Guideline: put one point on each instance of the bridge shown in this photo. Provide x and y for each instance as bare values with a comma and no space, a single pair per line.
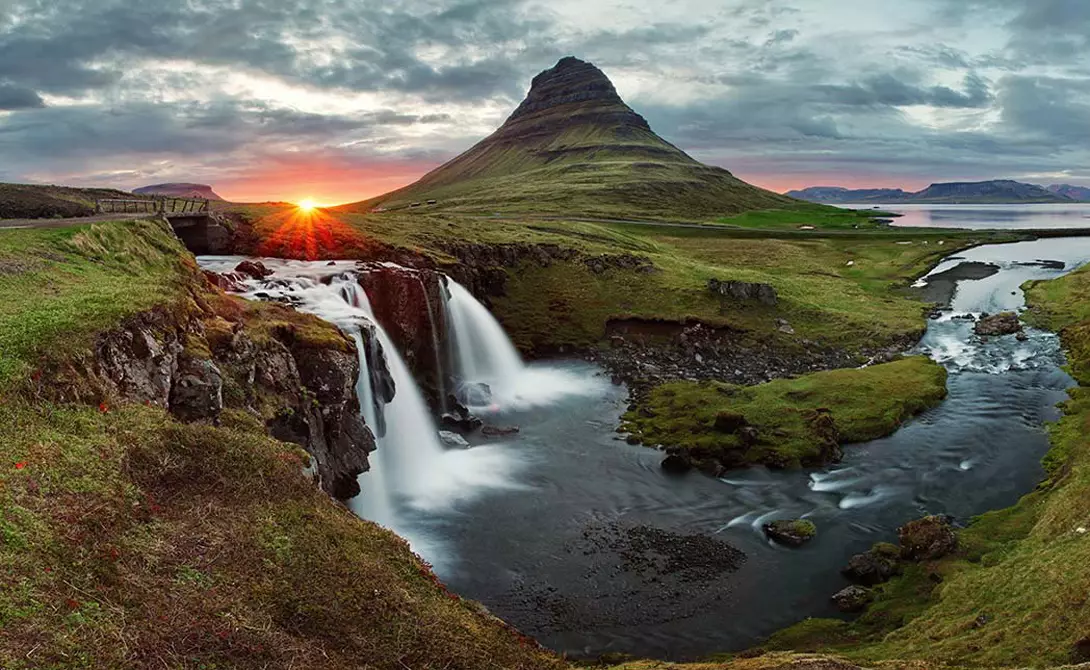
171,208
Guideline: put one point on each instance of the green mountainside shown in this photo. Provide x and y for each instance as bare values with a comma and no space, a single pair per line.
574,147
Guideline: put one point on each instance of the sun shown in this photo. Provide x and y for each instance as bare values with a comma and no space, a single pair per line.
307,205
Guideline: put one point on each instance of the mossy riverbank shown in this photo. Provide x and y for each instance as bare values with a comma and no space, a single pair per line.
789,422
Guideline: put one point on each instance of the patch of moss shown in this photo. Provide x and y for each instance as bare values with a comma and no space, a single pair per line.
790,422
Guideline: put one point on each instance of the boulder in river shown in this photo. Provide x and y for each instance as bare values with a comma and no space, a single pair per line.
927,539
453,440
1005,323
791,532
677,462
499,431
875,566
853,599
253,269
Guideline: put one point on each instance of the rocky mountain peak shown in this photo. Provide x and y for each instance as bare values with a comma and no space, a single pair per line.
573,81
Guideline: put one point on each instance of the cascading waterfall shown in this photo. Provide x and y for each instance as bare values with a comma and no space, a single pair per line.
485,354
410,468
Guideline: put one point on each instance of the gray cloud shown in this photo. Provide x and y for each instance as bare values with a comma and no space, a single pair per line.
16,97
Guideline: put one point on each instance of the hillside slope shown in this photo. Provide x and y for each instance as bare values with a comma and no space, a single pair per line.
574,147
31,201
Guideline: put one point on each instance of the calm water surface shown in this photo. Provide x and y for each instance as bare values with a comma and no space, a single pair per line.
1075,215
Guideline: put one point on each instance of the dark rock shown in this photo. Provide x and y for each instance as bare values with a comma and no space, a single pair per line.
730,422
197,391
461,420
927,539
1005,323
499,431
409,303
253,269
740,290
791,532
453,440
853,599
137,362
475,394
677,462
876,566
230,281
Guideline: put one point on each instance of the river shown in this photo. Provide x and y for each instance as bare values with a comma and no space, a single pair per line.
581,541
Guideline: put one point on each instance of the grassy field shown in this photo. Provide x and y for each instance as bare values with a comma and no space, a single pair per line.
61,286
787,422
839,289
25,201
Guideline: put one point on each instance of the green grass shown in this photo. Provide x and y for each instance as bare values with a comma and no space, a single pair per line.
823,218
62,286
789,418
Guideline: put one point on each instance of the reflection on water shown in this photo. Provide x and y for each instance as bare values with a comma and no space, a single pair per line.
1074,215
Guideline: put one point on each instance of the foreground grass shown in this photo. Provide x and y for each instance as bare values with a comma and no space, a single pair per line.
62,286
787,422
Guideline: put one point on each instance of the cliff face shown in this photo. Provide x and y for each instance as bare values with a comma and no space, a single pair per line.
289,371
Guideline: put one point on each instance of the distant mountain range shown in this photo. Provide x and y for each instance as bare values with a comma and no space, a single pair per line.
997,191
179,190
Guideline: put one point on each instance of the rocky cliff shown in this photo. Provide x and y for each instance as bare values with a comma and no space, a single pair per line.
179,190
293,373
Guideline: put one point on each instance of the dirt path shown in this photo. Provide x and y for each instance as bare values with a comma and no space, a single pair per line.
12,224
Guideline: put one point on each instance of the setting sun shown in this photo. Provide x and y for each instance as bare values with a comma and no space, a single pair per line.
307,205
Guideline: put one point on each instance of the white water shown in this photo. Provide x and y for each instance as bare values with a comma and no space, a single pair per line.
410,470
485,355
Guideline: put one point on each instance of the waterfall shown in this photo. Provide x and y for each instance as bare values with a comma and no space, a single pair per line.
484,352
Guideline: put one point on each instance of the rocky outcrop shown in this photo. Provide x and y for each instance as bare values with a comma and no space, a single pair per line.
853,599
875,566
791,532
647,352
764,294
179,190
1005,323
196,365
409,303
927,539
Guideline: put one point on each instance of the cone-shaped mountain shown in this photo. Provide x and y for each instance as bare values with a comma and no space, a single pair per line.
574,147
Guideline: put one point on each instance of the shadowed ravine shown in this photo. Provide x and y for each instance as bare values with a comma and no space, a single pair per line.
581,541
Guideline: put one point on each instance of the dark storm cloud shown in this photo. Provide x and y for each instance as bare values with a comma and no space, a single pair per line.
888,89
15,97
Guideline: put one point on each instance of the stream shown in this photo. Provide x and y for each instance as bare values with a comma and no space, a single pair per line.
581,541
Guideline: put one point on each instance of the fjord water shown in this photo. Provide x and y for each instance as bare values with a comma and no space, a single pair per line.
533,524
1043,216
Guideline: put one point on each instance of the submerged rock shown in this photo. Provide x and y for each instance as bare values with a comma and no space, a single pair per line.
927,539
677,462
499,431
791,532
1005,323
453,440
875,566
253,269
853,599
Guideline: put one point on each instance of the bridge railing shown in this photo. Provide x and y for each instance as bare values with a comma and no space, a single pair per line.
167,206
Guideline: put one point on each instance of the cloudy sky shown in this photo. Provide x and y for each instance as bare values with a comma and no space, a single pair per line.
344,99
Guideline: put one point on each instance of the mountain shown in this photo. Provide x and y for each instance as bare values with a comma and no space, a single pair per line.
997,191
180,190
1076,193
836,194
574,147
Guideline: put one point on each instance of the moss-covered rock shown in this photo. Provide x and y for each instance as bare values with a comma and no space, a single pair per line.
792,532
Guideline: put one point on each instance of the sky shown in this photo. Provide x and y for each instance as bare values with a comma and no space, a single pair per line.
341,100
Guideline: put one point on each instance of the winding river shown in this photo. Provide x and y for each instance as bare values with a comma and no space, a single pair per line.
581,541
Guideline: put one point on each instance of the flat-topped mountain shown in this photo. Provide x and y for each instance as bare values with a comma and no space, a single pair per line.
1076,193
996,191
574,147
179,190
838,194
